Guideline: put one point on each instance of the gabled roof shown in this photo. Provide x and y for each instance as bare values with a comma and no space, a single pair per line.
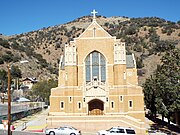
94,30
33,80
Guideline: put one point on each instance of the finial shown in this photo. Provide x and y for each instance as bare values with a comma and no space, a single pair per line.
94,12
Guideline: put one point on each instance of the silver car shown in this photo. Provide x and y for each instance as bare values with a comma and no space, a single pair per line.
66,130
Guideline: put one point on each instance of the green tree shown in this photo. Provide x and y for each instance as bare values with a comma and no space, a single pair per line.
149,89
16,74
164,45
41,90
170,85
162,89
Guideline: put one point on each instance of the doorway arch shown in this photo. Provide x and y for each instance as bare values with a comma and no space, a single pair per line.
95,107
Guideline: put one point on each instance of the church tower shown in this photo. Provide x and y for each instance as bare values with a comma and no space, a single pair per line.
97,84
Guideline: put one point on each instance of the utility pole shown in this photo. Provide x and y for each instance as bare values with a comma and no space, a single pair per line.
9,96
9,100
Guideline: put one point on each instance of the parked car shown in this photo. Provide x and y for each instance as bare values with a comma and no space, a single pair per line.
66,130
117,131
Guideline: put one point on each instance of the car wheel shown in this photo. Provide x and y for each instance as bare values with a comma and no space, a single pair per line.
51,133
72,134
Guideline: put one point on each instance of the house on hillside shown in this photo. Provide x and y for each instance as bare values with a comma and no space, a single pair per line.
29,82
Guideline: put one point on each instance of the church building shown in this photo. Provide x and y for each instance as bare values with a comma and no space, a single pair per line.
98,84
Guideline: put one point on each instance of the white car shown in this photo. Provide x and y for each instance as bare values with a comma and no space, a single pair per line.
66,130
117,131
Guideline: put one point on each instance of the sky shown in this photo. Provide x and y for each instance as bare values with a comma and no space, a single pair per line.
21,16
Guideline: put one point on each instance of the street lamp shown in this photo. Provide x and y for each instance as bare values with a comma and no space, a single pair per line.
9,96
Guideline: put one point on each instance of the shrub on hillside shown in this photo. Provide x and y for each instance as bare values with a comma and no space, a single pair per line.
4,43
130,30
7,58
1,61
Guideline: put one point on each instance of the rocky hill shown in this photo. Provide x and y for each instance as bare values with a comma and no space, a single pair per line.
147,38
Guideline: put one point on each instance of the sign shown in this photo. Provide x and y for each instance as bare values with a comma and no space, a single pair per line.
5,123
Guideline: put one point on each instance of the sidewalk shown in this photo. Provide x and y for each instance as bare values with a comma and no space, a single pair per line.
34,123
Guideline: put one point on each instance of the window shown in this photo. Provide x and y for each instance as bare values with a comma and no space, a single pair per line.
121,98
121,130
95,65
62,105
130,103
70,99
112,104
130,131
106,99
79,105
124,75
84,99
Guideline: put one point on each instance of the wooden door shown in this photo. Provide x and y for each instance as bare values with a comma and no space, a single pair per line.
96,107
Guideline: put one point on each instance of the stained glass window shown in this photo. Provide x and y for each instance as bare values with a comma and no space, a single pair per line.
95,67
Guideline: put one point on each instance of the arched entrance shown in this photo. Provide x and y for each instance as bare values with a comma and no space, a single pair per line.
95,107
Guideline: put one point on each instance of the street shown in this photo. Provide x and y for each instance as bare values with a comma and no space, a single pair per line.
2,132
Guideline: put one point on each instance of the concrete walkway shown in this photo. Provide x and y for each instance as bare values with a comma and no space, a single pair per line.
34,123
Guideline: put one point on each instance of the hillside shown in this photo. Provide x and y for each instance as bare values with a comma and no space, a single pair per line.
146,37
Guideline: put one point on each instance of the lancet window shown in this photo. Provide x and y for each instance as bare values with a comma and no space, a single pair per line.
95,65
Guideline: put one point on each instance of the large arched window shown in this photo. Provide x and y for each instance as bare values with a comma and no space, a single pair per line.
95,67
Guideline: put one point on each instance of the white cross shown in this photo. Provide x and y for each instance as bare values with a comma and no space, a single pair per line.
94,12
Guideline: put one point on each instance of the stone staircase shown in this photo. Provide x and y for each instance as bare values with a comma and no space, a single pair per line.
93,123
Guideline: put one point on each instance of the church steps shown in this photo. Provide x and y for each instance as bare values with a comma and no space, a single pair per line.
95,123
117,120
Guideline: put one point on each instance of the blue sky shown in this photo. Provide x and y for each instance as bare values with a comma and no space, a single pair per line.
20,16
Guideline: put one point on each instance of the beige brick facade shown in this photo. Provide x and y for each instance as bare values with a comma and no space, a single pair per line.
96,77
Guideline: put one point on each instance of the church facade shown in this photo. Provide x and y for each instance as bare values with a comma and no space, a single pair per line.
97,79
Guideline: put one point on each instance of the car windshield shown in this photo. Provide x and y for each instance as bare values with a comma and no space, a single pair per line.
110,129
72,128
121,130
116,130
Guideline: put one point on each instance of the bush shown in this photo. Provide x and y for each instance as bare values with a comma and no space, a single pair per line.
4,43
16,58
154,38
139,62
138,48
178,22
7,58
1,61
131,30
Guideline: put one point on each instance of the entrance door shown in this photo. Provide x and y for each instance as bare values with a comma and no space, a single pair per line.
96,107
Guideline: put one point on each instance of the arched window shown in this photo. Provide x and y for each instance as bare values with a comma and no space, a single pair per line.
95,64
